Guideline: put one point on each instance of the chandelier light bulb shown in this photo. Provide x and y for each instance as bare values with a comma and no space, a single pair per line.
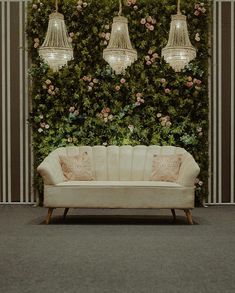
179,50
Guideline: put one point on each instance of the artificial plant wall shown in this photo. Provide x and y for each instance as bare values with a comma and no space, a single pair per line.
85,104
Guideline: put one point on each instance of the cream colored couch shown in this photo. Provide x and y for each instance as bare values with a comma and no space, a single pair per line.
122,180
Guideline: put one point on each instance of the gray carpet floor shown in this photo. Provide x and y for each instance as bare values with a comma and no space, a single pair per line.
99,251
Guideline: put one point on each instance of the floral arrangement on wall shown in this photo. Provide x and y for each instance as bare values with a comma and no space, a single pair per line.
84,103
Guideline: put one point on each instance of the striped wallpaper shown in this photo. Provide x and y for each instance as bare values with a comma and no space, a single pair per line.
15,158
15,148
222,104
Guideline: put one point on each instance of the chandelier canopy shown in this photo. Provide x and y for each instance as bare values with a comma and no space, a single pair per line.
179,50
119,53
56,50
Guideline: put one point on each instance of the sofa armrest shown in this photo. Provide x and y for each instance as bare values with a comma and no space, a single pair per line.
51,171
188,172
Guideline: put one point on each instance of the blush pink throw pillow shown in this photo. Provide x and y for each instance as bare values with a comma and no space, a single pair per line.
166,167
77,168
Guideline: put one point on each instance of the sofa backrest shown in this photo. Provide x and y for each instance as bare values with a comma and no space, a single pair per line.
120,163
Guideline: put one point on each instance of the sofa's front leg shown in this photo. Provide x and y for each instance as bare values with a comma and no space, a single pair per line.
65,213
173,214
48,218
189,216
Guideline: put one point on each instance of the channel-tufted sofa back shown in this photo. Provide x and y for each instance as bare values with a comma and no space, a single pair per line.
120,163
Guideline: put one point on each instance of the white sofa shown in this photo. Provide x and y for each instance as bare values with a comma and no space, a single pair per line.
122,180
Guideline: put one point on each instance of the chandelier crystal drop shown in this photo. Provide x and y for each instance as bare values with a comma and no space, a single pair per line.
179,50
56,49
119,53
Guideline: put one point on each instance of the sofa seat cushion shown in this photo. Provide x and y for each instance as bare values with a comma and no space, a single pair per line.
119,194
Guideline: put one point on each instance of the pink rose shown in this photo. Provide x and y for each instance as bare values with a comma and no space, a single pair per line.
50,92
189,78
117,88
135,7
107,36
167,91
196,6
36,40
51,87
151,28
70,40
139,95
189,84
149,19
143,21
36,45
91,84
42,124
162,80
196,12
148,25
76,112
71,34
122,80
150,52
148,62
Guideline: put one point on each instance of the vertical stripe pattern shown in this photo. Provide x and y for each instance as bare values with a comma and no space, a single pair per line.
222,105
15,156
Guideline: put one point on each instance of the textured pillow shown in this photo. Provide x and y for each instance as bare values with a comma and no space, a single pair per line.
77,168
166,167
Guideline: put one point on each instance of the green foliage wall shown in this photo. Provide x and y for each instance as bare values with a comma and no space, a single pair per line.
85,104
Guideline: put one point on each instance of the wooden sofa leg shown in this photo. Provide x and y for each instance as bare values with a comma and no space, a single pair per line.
65,213
189,216
50,211
173,214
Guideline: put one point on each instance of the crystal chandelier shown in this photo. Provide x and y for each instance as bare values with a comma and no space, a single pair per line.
179,50
56,50
119,53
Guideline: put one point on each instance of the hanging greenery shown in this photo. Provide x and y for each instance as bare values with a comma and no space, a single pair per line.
86,104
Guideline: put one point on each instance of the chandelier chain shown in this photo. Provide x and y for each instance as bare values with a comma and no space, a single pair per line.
178,7
56,5
120,8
